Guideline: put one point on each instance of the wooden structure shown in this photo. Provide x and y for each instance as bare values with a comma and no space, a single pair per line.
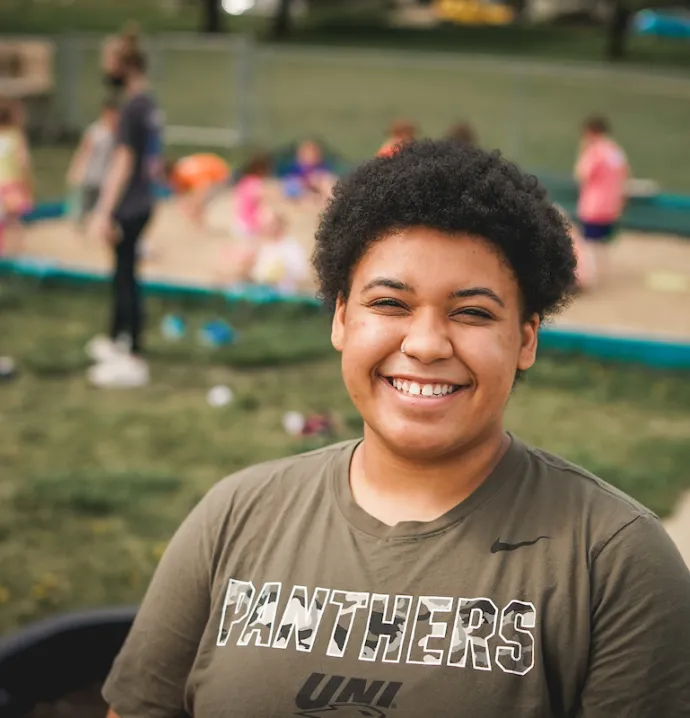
27,76
26,68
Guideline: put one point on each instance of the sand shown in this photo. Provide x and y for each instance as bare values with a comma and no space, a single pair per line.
647,292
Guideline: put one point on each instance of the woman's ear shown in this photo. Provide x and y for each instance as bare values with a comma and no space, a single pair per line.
338,324
530,340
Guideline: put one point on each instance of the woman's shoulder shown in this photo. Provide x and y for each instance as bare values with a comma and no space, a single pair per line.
305,471
560,472
570,495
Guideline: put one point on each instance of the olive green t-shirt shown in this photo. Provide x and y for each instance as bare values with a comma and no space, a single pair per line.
545,593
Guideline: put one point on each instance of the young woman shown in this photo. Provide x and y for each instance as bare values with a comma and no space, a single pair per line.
114,50
438,566
122,214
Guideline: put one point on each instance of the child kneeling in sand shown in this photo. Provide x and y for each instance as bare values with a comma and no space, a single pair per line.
277,259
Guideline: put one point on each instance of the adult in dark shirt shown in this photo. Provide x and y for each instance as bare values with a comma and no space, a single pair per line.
123,212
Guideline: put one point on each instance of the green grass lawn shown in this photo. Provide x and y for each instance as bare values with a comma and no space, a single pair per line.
94,483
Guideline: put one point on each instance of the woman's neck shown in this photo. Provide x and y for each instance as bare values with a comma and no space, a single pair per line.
394,489
137,85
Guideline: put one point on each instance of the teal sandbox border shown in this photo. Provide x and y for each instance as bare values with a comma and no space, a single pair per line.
653,352
657,353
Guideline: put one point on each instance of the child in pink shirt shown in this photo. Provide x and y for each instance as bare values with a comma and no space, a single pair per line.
602,173
249,197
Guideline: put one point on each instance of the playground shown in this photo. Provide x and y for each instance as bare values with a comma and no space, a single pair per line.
97,481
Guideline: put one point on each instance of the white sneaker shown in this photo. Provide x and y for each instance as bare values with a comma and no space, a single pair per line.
121,372
104,349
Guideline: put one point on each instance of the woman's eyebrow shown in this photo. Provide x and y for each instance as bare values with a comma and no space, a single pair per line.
477,292
388,283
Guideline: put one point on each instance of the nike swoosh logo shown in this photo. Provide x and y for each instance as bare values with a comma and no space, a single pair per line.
498,545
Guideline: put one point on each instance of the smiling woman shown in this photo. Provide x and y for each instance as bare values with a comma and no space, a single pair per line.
448,315
439,565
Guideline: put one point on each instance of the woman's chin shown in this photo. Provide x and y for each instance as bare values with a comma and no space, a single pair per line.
419,442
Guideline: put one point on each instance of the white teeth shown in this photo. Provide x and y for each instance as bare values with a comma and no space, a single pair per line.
415,389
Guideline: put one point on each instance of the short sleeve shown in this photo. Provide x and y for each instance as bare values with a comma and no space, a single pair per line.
640,646
585,165
131,126
149,675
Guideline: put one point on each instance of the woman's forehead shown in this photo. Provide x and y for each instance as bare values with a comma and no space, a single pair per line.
420,253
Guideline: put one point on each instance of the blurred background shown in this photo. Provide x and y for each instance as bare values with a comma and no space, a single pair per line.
93,482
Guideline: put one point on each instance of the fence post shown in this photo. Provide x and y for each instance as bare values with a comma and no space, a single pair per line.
68,84
244,105
520,94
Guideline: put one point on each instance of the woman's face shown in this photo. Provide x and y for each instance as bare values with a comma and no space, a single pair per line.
455,304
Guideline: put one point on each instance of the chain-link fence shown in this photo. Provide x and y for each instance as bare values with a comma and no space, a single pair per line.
202,85
230,91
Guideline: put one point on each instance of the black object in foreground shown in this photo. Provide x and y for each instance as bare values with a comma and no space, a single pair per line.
52,659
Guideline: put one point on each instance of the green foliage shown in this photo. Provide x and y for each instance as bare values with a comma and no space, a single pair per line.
93,493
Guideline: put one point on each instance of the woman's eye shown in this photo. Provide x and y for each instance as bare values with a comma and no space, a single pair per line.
387,303
474,312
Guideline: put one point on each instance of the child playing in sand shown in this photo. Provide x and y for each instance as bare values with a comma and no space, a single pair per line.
275,259
280,260
463,132
399,133
309,177
15,174
90,163
249,197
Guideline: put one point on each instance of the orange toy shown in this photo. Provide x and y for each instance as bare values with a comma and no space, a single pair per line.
196,178
199,172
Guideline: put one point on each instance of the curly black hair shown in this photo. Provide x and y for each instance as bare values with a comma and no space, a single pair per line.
451,187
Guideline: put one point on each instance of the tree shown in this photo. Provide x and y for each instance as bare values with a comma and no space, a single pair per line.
282,20
619,16
618,24
211,16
